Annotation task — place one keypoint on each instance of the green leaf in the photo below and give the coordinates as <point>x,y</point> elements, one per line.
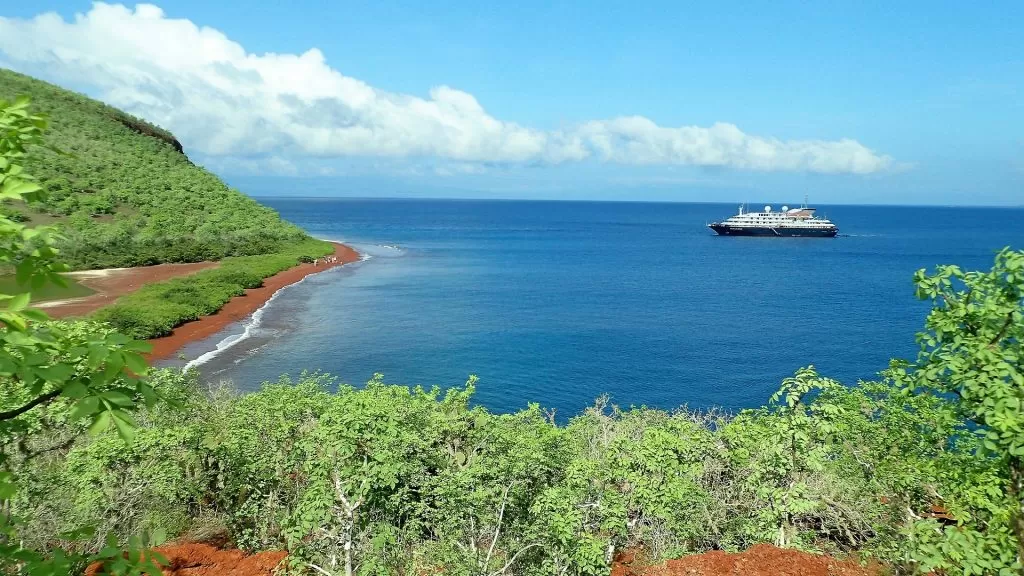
<point>110,372</point>
<point>136,363</point>
<point>117,339</point>
<point>125,425</point>
<point>100,423</point>
<point>35,315</point>
<point>19,302</point>
<point>14,189</point>
<point>148,394</point>
<point>56,373</point>
<point>139,346</point>
<point>116,398</point>
<point>97,354</point>
<point>23,272</point>
<point>85,407</point>
<point>75,390</point>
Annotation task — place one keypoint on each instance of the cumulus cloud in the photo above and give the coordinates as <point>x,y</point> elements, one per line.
<point>223,101</point>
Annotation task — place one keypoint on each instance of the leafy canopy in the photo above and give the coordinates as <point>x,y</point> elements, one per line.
<point>52,375</point>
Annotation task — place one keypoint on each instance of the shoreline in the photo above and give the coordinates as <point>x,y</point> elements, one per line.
<point>241,307</point>
<point>109,284</point>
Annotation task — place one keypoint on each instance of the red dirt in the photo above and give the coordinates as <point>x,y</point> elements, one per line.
<point>197,559</point>
<point>109,285</point>
<point>207,560</point>
<point>241,307</point>
<point>761,560</point>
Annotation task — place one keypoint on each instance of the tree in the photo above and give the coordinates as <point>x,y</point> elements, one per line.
<point>972,349</point>
<point>87,377</point>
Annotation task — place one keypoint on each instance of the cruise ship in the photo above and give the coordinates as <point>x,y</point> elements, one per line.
<point>788,222</point>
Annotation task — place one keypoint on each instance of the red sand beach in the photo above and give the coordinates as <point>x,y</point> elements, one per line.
<point>241,307</point>
<point>111,284</point>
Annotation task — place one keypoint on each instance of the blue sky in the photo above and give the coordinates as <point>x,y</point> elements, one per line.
<point>910,102</point>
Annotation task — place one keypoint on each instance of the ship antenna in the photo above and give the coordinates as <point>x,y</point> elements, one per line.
<point>805,200</point>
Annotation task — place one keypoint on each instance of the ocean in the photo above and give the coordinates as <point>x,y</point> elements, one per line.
<point>561,302</point>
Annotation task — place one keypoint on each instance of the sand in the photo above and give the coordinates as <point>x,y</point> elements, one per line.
<point>241,307</point>
<point>112,283</point>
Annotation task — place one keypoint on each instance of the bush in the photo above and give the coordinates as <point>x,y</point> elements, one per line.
<point>157,309</point>
<point>406,479</point>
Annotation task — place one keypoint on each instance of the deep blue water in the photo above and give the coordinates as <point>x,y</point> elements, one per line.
<point>559,302</point>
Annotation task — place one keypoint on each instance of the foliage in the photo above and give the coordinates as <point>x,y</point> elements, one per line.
<point>157,308</point>
<point>973,349</point>
<point>389,479</point>
<point>55,378</point>
<point>124,194</point>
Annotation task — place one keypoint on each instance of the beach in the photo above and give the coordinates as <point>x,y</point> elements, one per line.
<point>240,307</point>
<point>110,284</point>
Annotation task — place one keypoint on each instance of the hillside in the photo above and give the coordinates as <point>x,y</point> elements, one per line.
<point>125,194</point>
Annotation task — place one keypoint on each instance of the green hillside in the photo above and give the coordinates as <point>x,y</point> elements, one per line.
<point>125,194</point>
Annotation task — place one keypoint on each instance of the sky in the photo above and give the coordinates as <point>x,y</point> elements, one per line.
<point>847,102</point>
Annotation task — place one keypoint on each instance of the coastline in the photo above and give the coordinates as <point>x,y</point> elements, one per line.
<point>240,307</point>
<point>111,283</point>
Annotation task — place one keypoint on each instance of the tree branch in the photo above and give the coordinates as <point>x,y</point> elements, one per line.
<point>32,404</point>
<point>318,569</point>
<point>497,529</point>
<point>1002,331</point>
<point>513,559</point>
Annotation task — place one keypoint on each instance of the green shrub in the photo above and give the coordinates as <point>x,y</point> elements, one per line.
<point>157,309</point>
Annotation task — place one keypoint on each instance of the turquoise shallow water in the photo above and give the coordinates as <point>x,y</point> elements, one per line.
<point>558,302</point>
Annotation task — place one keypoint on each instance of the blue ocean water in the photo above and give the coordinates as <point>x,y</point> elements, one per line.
<point>559,302</point>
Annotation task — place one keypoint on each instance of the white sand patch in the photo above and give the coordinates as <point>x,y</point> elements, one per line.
<point>56,303</point>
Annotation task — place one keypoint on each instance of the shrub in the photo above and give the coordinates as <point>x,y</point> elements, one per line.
<point>157,309</point>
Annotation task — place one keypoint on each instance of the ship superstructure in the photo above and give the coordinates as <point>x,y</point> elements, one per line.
<point>788,222</point>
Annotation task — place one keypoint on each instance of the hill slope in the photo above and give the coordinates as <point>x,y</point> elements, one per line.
<point>126,194</point>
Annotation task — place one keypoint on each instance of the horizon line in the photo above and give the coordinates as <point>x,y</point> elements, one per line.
<point>620,201</point>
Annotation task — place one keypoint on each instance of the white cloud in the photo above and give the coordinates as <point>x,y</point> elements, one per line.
<point>223,101</point>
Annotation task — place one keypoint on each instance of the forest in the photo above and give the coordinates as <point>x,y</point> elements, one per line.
<point>121,191</point>
<point>102,457</point>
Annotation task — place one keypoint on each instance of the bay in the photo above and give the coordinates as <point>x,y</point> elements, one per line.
<point>560,302</point>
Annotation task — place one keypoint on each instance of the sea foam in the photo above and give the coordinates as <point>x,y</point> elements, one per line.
<point>252,325</point>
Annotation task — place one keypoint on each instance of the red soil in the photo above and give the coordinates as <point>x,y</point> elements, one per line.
<point>207,560</point>
<point>198,559</point>
<point>761,560</point>
<point>241,307</point>
<point>109,285</point>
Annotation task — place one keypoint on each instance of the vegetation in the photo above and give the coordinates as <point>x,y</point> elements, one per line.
<point>921,469</point>
<point>156,309</point>
<point>57,379</point>
<point>122,193</point>
<point>70,289</point>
